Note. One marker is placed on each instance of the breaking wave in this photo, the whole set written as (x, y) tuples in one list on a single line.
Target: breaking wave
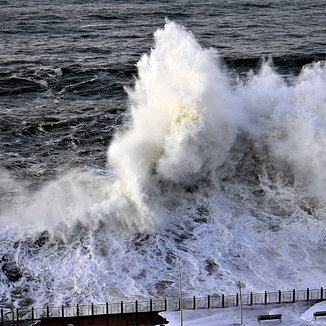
[(229, 175)]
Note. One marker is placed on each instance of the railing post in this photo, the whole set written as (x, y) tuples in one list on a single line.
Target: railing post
[(121, 308), (237, 300), (150, 305), (265, 297), (136, 307), (223, 302), (279, 296), (194, 302), (77, 310), (293, 296), (92, 309), (308, 294), (209, 302), (32, 313), (165, 305), (321, 294), (47, 312), (63, 312), (2, 321), (17, 314), (251, 299)]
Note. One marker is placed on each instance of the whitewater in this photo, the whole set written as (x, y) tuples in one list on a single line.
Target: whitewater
[(225, 172)]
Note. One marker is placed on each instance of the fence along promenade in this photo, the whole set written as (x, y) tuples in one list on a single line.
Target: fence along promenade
[(214, 301)]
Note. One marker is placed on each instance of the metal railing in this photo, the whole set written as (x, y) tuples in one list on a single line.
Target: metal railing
[(214, 301)]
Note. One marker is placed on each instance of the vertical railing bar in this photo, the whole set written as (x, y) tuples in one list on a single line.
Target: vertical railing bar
[(321, 294), (308, 294), (279, 296)]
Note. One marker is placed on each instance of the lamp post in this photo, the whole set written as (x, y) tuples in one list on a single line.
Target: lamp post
[(180, 293), (12, 309), (239, 285)]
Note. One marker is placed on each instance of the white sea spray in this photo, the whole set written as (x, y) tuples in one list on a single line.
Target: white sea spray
[(230, 179)]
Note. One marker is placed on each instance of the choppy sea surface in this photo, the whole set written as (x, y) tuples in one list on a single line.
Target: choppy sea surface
[(135, 133)]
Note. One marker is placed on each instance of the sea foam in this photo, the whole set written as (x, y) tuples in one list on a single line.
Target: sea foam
[(228, 176)]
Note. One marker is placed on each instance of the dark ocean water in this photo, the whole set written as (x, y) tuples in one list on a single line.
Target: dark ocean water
[(68, 76), (63, 66)]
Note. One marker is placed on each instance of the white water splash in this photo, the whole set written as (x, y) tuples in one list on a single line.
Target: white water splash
[(291, 121), (181, 120), (237, 173)]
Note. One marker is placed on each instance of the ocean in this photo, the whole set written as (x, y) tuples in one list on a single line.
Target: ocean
[(135, 134)]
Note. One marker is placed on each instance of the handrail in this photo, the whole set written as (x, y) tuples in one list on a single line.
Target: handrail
[(207, 302)]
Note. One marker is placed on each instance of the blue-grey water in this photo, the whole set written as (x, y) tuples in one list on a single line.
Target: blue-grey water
[(216, 128)]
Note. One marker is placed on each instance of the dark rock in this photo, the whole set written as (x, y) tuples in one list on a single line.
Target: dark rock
[(211, 267), (26, 302), (43, 238), (12, 271)]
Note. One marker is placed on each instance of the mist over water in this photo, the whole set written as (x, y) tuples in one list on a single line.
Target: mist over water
[(225, 173)]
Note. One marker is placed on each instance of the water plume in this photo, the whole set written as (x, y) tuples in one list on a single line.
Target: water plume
[(181, 127), (290, 120)]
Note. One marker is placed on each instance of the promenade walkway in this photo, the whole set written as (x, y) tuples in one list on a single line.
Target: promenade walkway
[(293, 314)]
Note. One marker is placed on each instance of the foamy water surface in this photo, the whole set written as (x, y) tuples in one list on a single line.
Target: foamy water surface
[(224, 171)]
